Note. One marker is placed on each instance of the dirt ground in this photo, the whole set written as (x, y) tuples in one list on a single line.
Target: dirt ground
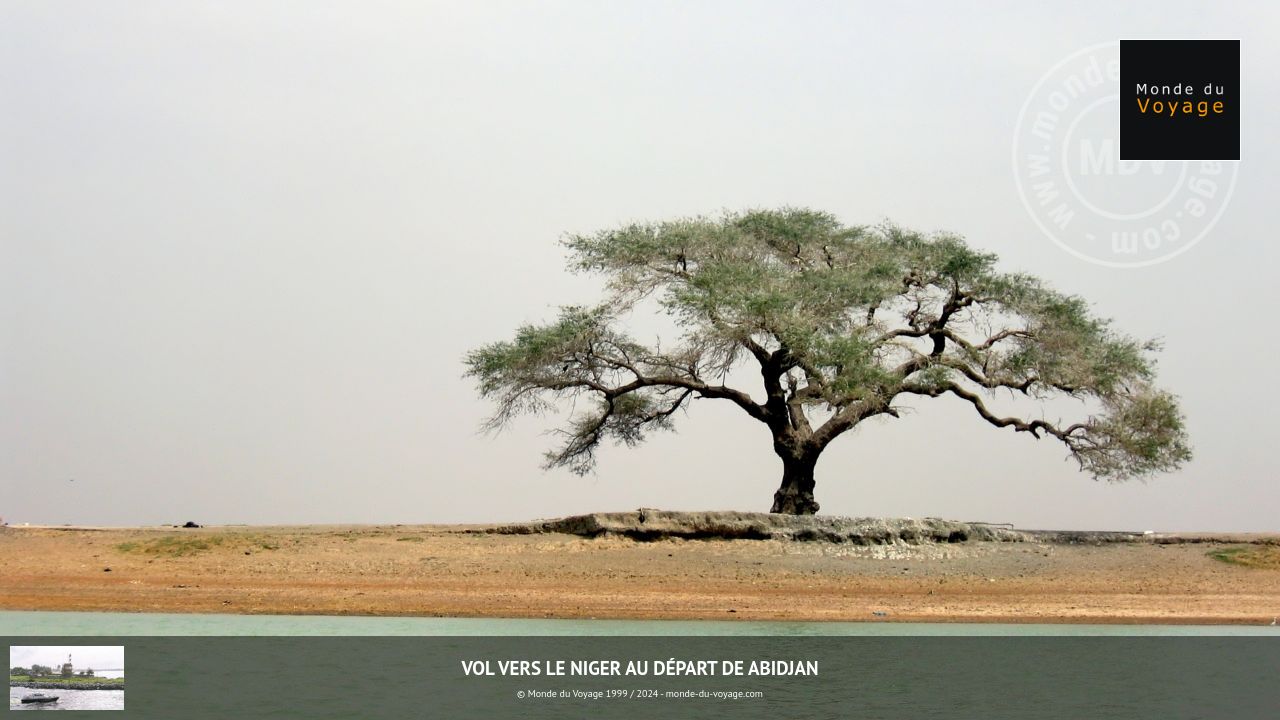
[(443, 571)]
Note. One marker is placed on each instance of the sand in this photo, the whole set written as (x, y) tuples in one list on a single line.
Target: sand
[(446, 571)]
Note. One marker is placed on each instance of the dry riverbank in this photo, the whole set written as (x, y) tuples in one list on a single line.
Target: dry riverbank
[(455, 571)]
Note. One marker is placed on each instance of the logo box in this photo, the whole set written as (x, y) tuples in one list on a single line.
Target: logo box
[(1180, 99)]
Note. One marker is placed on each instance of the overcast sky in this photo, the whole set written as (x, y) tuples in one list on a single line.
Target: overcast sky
[(244, 248), (98, 657)]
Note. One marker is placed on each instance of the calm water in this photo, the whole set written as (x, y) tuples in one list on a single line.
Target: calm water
[(16, 623), (70, 699)]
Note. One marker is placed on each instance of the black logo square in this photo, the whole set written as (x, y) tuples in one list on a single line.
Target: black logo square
[(1180, 99)]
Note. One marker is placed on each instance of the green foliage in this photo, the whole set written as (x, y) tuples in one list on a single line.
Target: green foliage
[(841, 321), (172, 545), (1250, 556), (182, 545), (1141, 433), (625, 418)]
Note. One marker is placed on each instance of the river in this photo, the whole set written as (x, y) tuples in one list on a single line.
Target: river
[(23, 623), (69, 699)]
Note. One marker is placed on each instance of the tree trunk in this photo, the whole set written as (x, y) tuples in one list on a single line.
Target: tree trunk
[(795, 496)]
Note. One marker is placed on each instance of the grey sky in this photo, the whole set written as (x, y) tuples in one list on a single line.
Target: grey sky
[(98, 657), (243, 248)]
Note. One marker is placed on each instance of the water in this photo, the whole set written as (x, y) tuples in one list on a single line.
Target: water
[(21, 623), (69, 699)]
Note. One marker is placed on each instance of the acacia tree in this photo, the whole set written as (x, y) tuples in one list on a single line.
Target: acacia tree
[(842, 323)]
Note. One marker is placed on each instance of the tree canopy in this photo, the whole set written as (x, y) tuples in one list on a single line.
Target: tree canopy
[(842, 322)]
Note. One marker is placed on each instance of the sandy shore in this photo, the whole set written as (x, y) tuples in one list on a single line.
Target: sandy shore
[(443, 571)]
